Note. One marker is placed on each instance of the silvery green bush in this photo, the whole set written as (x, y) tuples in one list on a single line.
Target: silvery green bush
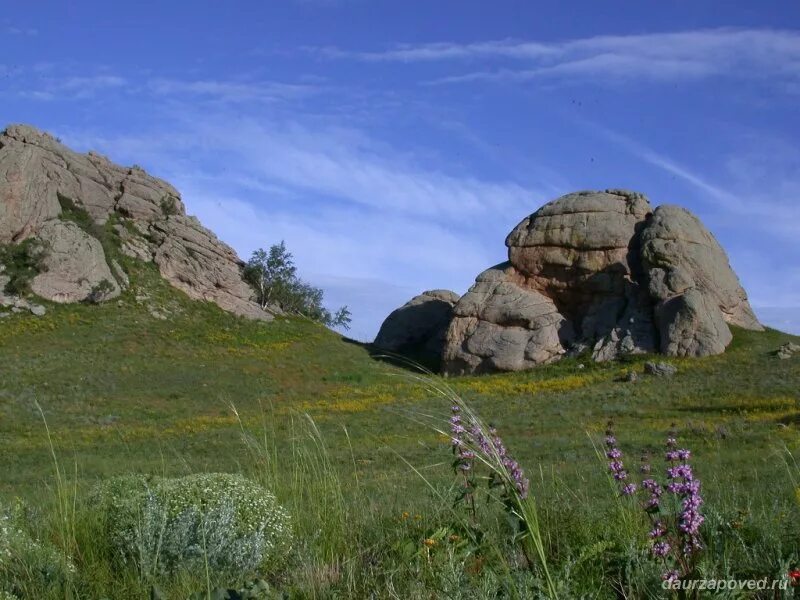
[(26, 560), (161, 525)]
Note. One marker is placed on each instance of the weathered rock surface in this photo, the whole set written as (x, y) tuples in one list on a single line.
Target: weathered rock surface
[(192, 259), (660, 369), (74, 264), (417, 329), (787, 350), (40, 178), (690, 279), (600, 271), (501, 324)]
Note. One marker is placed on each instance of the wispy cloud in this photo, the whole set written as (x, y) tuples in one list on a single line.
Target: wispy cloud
[(41, 85), (330, 163), (23, 31), (230, 91), (656, 56)]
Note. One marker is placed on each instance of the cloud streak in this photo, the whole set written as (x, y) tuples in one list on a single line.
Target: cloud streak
[(230, 91), (669, 56)]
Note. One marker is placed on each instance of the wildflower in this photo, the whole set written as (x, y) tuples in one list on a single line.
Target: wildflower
[(464, 457), (670, 576), (658, 530), (493, 447), (429, 542), (674, 538), (660, 549)]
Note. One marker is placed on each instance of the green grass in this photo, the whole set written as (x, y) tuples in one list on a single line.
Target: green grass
[(338, 436)]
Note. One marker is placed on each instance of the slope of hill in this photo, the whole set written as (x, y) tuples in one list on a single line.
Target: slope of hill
[(147, 383)]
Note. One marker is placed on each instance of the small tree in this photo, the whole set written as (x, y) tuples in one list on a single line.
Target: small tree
[(273, 276)]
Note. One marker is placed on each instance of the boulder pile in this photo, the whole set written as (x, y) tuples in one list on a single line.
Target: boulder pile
[(598, 271)]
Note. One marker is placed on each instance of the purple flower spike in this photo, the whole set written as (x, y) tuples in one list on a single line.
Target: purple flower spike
[(660, 549), (674, 534)]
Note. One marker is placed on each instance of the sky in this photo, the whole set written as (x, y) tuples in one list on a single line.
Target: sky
[(394, 144)]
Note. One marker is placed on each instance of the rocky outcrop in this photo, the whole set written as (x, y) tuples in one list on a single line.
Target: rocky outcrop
[(417, 328), (192, 258), (501, 324), (696, 293), (602, 272), (74, 265), (41, 180)]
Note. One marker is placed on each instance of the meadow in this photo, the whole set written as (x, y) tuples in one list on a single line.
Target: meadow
[(357, 449)]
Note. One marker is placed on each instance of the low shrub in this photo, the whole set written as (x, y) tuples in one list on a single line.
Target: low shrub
[(22, 263), (100, 292), (169, 206), (220, 522), (27, 564)]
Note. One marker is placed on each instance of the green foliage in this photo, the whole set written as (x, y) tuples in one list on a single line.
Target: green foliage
[(258, 589), (104, 233), (217, 521), (28, 565), (126, 392), (169, 206), (78, 215), (100, 292), (273, 275), (22, 263)]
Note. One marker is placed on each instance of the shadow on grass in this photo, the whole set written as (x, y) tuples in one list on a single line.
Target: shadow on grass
[(411, 359)]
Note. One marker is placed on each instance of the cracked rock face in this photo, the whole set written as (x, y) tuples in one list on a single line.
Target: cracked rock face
[(74, 264), (502, 324), (39, 175), (601, 271)]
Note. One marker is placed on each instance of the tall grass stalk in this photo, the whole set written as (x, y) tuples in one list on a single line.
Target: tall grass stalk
[(66, 497), (305, 479)]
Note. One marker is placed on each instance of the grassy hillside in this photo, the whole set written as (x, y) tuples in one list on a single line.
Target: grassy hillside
[(123, 390)]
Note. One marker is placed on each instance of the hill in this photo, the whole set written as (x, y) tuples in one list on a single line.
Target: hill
[(147, 382)]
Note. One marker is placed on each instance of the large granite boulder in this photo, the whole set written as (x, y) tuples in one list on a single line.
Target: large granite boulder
[(579, 246), (74, 265), (417, 328), (692, 284), (40, 178), (501, 324), (603, 272)]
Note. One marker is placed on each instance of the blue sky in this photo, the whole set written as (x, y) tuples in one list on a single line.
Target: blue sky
[(393, 145)]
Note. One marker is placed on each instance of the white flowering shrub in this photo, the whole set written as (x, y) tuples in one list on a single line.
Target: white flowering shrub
[(163, 525), (27, 563)]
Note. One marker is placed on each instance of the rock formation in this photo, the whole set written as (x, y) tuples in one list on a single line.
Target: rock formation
[(417, 329), (598, 271), (41, 180)]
